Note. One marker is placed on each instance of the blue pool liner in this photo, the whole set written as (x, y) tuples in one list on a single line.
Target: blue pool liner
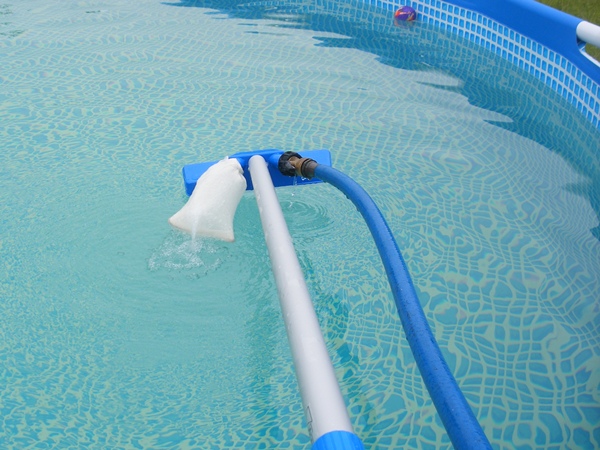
[(541, 40), (554, 29), (458, 418)]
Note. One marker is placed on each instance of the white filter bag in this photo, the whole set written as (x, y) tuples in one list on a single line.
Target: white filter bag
[(209, 211)]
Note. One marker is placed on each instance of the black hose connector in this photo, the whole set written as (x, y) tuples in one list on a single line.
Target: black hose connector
[(284, 164), (292, 164)]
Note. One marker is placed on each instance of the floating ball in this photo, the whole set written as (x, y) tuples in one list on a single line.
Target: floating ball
[(405, 14)]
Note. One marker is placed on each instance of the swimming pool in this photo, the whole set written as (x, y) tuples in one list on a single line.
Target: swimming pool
[(121, 333)]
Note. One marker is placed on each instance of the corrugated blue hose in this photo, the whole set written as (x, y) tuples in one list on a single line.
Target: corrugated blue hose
[(458, 419)]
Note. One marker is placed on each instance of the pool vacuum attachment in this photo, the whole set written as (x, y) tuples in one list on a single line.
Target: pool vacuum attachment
[(293, 164), (324, 407)]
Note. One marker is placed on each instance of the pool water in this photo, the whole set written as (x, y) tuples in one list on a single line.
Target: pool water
[(119, 332)]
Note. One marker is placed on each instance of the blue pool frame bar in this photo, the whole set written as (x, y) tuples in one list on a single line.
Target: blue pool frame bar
[(323, 403)]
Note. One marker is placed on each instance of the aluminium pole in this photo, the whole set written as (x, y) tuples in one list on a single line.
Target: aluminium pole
[(322, 399)]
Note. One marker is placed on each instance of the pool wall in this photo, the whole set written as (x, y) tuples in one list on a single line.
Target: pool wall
[(537, 38)]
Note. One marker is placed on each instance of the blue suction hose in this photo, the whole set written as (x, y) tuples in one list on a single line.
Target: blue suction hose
[(458, 419)]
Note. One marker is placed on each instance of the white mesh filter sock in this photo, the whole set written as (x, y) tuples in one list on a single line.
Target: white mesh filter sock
[(209, 211)]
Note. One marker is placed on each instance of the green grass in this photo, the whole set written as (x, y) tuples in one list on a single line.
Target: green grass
[(584, 9)]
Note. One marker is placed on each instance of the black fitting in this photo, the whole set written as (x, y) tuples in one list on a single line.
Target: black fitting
[(292, 164), (284, 164)]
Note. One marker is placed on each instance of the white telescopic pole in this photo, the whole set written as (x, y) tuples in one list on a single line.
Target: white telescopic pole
[(324, 405)]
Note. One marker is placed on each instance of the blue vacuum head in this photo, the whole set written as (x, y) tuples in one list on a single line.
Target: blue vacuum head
[(192, 172)]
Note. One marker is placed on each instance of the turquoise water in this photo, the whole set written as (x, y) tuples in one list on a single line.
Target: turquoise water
[(118, 332)]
